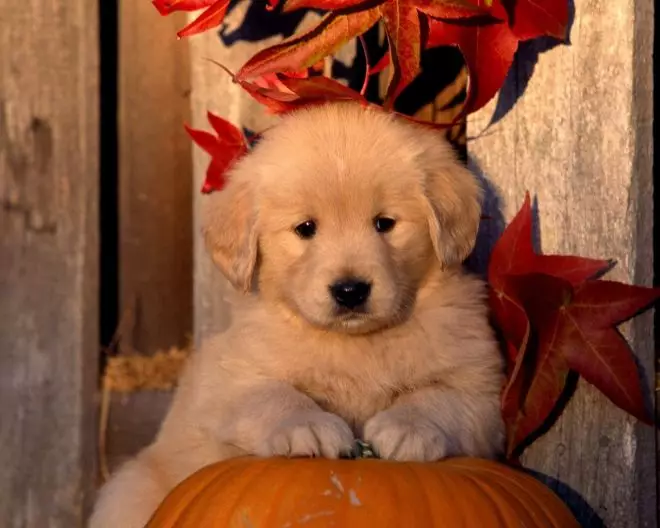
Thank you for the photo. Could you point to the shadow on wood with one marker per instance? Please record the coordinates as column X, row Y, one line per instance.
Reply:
column 585, row 514
column 523, row 67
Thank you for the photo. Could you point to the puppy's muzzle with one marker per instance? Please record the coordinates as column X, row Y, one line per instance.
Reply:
column 350, row 294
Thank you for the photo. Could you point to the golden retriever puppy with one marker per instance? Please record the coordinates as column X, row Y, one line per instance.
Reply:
column 344, row 232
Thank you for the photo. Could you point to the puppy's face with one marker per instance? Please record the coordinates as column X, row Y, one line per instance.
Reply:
column 344, row 250
column 341, row 213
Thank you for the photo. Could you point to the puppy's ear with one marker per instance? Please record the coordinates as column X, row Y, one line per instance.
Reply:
column 454, row 199
column 230, row 232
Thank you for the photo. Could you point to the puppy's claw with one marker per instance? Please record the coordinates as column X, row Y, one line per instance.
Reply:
column 397, row 436
column 309, row 434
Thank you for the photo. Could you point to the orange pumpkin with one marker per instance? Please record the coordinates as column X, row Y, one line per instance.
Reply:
column 366, row 493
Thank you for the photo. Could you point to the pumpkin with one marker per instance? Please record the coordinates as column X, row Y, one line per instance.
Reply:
column 313, row 493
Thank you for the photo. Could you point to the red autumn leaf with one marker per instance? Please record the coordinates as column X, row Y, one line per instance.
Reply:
column 593, row 347
column 275, row 101
column 403, row 28
column 304, row 50
column 513, row 251
column 514, row 254
column 489, row 45
column 555, row 318
column 539, row 376
column 210, row 18
column 296, row 92
column 271, row 81
column 488, row 48
column 576, row 329
column 325, row 5
column 529, row 19
column 530, row 398
column 449, row 8
column 320, row 89
column 383, row 63
column 511, row 319
column 165, row 7
column 284, row 92
column 225, row 148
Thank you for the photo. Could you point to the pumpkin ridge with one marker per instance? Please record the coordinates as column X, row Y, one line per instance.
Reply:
column 270, row 464
column 415, row 472
column 493, row 488
column 183, row 498
column 457, row 477
column 539, row 488
column 272, row 512
column 243, row 471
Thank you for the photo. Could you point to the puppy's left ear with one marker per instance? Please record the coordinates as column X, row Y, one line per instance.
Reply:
column 454, row 199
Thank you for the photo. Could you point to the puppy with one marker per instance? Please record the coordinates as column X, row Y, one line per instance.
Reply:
column 344, row 232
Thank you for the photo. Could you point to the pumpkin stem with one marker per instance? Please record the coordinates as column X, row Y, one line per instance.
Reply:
column 361, row 450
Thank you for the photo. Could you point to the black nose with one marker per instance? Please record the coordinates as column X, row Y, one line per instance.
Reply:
column 350, row 293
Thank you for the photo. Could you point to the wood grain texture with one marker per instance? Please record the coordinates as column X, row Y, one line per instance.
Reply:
column 213, row 90
column 155, row 211
column 49, row 346
column 580, row 139
column 155, row 180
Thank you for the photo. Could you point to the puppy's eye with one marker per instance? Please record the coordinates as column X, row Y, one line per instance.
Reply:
column 383, row 224
column 306, row 230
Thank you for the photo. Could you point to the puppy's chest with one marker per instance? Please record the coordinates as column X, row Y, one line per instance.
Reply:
column 355, row 400
column 359, row 387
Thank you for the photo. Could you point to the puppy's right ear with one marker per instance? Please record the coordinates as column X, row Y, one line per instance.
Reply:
column 230, row 232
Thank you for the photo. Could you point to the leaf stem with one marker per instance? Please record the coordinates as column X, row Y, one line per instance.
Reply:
column 367, row 72
column 223, row 67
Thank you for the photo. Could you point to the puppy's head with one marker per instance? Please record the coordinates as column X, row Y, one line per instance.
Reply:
column 341, row 213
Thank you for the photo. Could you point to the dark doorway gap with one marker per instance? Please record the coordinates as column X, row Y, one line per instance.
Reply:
column 108, row 199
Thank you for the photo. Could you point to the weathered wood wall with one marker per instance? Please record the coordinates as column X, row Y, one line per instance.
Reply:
column 155, row 210
column 48, row 261
column 580, row 139
column 155, row 180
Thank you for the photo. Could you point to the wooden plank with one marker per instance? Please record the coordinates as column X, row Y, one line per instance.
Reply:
column 155, row 180
column 48, row 261
column 579, row 137
column 155, row 211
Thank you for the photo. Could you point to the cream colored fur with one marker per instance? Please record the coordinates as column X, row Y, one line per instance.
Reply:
column 418, row 375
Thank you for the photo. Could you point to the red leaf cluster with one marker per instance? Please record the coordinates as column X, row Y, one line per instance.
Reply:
column 212, row 16
column 225, row 148
column 486, row 31
column 556, row 316
column 487, row 35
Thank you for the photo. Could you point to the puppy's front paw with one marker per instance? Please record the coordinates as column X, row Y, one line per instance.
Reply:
column 314, row 433
column 402, row 436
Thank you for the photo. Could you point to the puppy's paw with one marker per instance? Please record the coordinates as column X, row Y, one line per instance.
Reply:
column 314, row 433
column 397, row 435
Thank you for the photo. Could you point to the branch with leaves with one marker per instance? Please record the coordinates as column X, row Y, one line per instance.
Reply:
column 487, row 32
column 554, row 313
